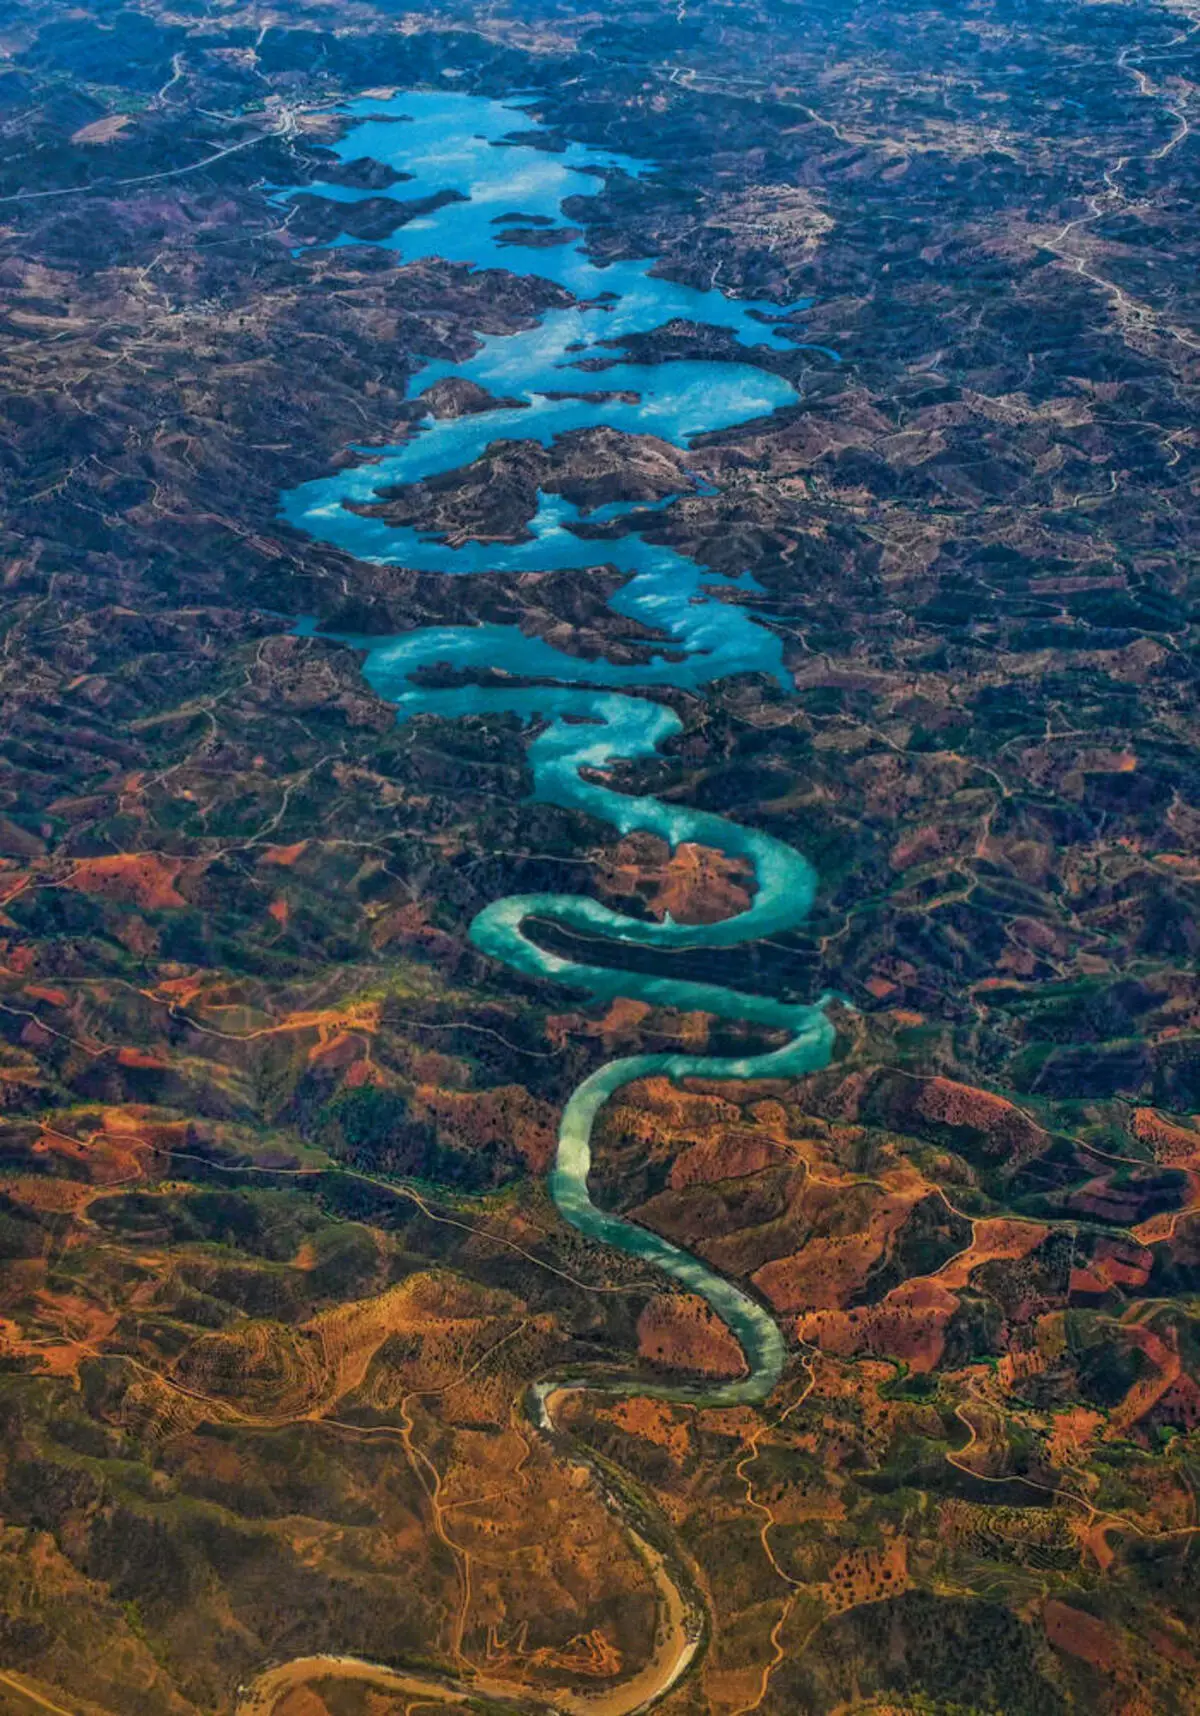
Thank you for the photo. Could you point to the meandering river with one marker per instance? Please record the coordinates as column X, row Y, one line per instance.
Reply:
column 508, row 178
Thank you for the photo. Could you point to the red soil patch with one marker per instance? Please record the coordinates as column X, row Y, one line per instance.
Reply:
column 1106, row 1200
column 1008, row 1131
column 625, row 1013
column 101, row 130
column 103, row 1161
column 694, row 884
column 1172, row 1649
column 1157, row 1228
column 1114, row 1263
column 1013, row 1368
column 654, row 1421
column 680, row 1331
column 1082, row 1635
column 135, row 1123
column 35, row 1036
column 410, row 924
column 846, row 1099
column 1178, row 1407
column 335, row 1049
column 921, row 846
column 1181, row 863
column 867, row 1574
column 822, row 1276
column 285, row 855
column 65, row 1330
column 909, row 1324
column 56, row 1197
column 301, row 1701
column 142, row 1058
column 996, row 1239
column 360, row 1074
column 729, row 1157
column 1169, row 1141
column 854, row 1229
column 618, row 1030
column 182, row 990
column 1146, row 1394
column 1093, row 1535
column 662, row 1110
column 704, row 1137
column 507, row 1115
column 135, row 878
column 278, row 909
column 1071, row 1435
column 431, row 1067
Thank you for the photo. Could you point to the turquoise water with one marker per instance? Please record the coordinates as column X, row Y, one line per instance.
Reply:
column 453, row 142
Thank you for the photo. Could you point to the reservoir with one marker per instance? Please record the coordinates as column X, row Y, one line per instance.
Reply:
column 505, row 176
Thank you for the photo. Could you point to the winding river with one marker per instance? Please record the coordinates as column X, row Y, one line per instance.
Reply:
column 507, row 179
